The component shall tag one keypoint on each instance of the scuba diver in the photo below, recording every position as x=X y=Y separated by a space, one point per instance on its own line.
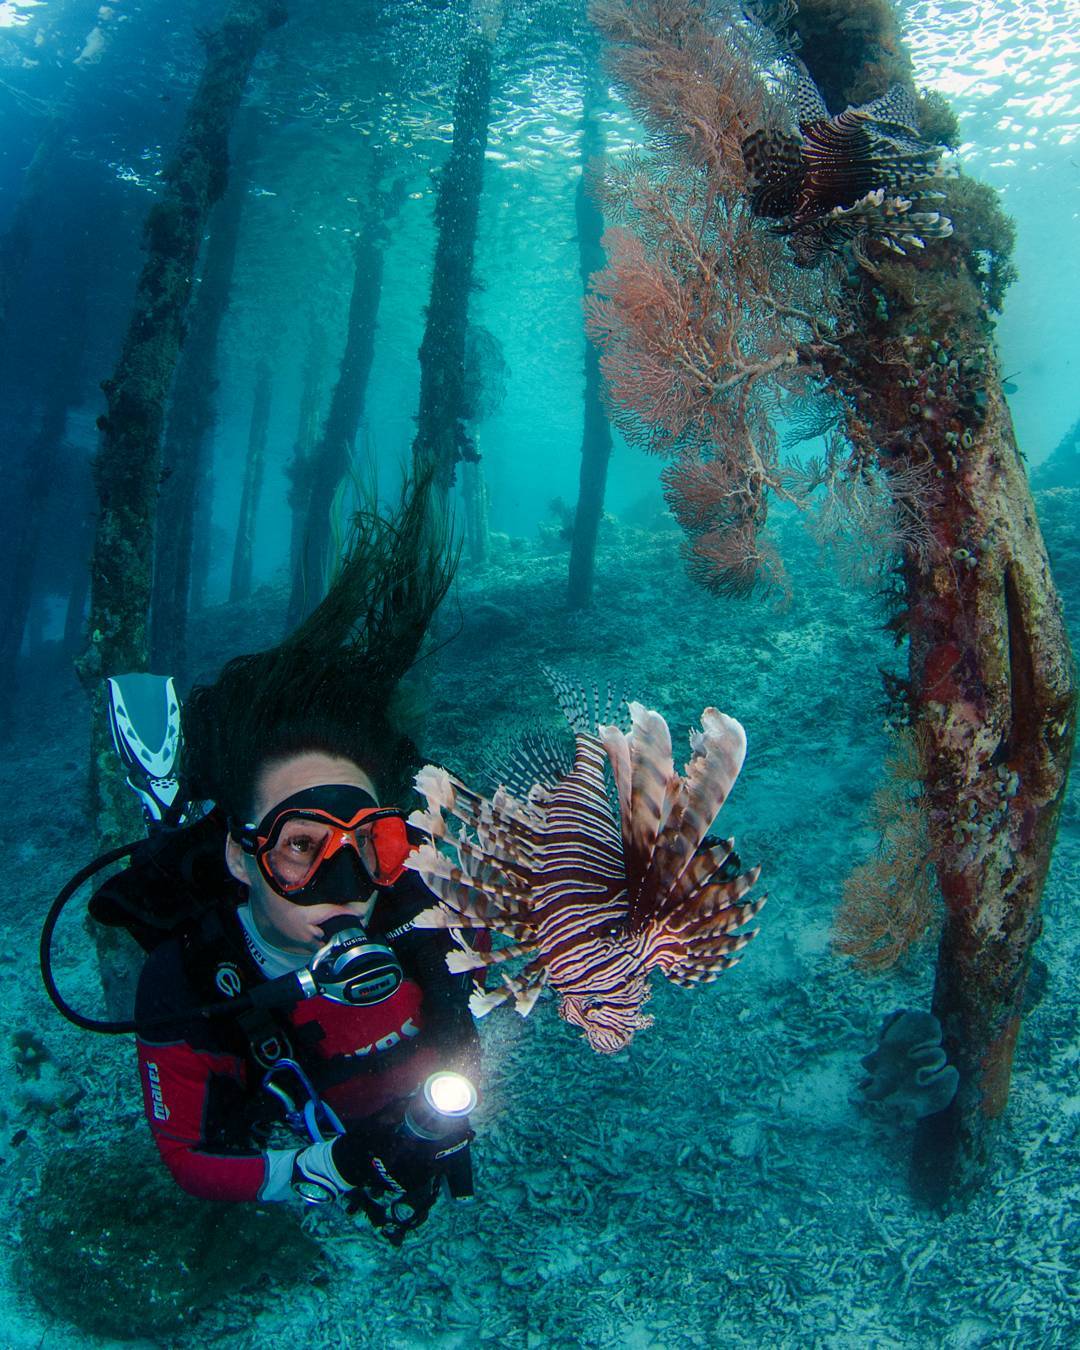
x=288 y=991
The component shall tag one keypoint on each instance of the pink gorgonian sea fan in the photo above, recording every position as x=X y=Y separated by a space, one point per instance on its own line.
x=594 y=888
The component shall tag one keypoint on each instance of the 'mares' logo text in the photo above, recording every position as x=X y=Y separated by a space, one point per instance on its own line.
x=161 y=1111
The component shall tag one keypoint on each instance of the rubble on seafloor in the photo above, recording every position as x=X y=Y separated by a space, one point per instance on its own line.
x=716 y=1183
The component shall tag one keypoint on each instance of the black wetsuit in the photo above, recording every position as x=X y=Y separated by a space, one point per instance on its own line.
x=202 y=1078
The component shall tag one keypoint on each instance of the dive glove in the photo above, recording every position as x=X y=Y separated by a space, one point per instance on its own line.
x=333 y=1168
x=392 y=1176
x=388 y=1173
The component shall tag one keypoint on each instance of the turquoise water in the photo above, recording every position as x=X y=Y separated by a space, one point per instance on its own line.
x=717 y=1183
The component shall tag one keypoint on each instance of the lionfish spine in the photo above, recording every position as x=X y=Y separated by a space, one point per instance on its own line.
x=617 y=748
x=696 y=930
x=714 y=896
x=699 y=870
x=439 y=868
x=468 y=958
x=652 y=768
x=717 y=754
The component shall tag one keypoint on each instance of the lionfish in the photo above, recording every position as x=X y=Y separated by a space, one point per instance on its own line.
x=841 y=178
x=595 y=892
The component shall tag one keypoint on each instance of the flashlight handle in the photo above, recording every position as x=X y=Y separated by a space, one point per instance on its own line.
x=458 y=1175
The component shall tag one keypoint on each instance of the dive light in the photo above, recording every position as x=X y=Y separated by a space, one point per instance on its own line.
x=440 y=1106
x=439 y=1115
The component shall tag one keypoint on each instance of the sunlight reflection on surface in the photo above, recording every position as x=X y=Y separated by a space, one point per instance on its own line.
x=971 y=52
x=12 y=12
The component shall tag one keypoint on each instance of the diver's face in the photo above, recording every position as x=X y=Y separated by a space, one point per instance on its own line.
x=295 y=928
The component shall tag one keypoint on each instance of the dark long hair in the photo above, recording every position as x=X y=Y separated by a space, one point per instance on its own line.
x=332 y=684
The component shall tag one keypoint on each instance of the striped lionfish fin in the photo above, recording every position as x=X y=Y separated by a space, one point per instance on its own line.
x=445 y=916
x=703 y=959
x=702 y=868
x=582 y=713
x=617 y=748
x=466 y=903
x=717 y=754
x=706 y=943
x=647 y=788
x=717 y=909
x=481 y=1002
x=437 y=788
x=689 y=973
x=652 y=783
x=537 y=759
x=524 y=991
x=526 y=988
x=445 y=794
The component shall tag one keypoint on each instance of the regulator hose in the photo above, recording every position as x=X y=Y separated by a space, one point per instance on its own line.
x=49 y=927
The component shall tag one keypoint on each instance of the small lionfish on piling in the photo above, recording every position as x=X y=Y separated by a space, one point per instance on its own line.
x=852 y=176
x=594 y=892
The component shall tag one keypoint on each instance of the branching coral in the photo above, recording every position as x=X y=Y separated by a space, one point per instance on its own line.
x=706 y=327
x=890 y=902
x=869 y=519
x=693 y=83
x=699 y=313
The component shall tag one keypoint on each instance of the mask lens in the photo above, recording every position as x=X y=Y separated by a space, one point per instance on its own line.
x=293 y=857
x=384 y=846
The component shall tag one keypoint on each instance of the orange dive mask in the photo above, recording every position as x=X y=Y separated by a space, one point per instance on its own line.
x=327 y=845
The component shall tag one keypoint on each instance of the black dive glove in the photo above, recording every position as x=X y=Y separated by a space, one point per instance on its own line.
x=390 y=1174
x=405 y=1179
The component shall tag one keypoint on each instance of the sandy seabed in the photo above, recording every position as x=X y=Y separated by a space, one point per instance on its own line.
x=716 y=1184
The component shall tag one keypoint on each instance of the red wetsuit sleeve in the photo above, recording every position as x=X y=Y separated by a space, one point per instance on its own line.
x=179 y=1084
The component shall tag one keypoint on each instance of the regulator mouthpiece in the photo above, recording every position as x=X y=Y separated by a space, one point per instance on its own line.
x=351 y=968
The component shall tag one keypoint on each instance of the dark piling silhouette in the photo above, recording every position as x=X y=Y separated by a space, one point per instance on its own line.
x=307 y=427
x=442 y=439
x=254 y=466
x=127 y=469
x=17 y=241
x=331 y=458
x=191 y=417
x=596 y=431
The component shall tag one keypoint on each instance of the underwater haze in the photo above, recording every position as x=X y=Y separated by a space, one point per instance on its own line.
x=738 y=1173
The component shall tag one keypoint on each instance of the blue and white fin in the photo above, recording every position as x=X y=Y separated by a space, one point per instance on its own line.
x=144 y=718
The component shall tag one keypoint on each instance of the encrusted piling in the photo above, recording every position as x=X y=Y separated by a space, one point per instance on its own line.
x=127 y=468
x=441 y=437
x=992 y=684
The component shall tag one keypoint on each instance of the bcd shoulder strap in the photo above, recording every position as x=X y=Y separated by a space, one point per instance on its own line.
x=219 y=967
